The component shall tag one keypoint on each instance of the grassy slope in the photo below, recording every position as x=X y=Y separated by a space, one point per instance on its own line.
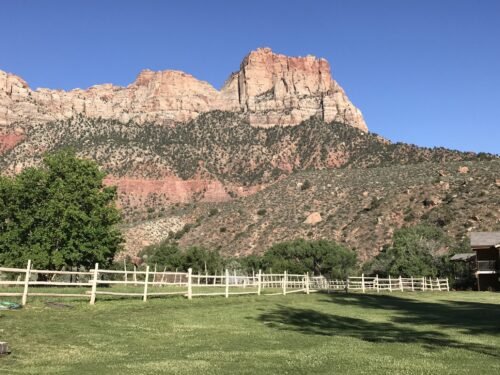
x=445 y=333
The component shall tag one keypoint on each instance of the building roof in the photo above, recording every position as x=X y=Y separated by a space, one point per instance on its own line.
x=484 y=239
x=463 y=257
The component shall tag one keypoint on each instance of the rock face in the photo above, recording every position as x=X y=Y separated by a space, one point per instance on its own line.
x=313 y=218
x=276 y=89
x=270 y=89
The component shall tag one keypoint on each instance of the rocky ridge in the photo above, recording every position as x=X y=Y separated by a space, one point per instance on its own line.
x=270 y=89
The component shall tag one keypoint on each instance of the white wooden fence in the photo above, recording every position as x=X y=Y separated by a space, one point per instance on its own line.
x=391 y=284
x=193 y=285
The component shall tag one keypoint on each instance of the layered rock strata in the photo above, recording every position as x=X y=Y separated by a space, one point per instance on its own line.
x=270 y=89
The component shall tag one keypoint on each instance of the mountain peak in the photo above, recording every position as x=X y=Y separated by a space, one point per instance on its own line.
x=270 y=89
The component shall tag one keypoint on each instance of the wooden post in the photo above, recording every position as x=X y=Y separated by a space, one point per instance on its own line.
x=235 y=279
x=135 y=275
x=432 y=286
x=447 y=285
x=190 y=285
x=26 y=283
x=390 y=284
x=363 y=282
x=94 y=284
x=307 y=282
x=163 y=276
x=199 y=277
x=125 y=276
x=423 y=284
x=376 y=280
x=438 y=283
x=259 y=281
x=400 y=283
x=146 y=281
x=227 y=283
x=284 y=283
x=412 y=285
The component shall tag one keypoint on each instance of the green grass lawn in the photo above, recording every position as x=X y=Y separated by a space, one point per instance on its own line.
x=402 y=333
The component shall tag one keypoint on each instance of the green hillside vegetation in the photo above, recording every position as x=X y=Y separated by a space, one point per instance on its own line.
x=359 y=208
x=230 y=149
x=363 y=186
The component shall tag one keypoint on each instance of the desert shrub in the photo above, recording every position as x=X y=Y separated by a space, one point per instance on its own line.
x=305 y=185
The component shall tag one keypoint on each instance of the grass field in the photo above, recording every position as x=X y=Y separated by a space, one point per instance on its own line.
x=402 y=333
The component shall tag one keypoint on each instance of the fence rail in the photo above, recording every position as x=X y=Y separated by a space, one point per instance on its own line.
x=194 y=285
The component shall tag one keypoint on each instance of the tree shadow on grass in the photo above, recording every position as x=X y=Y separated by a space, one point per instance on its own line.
x=313 y=322
x=468 y=317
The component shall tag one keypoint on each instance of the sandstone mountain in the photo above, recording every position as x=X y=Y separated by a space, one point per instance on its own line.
x=278 y=153
x=164 y=174
x=270 y=89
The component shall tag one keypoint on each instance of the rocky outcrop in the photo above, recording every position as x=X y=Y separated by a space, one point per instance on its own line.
x=270 y=89
x=275 y=89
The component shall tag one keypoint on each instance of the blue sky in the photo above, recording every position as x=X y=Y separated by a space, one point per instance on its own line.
x=424 y=72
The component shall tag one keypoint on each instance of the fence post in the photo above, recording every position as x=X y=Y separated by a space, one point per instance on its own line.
x=432 y=286
x=438 y=283
x=307 y=282
x=363 y=282
x=94 y=284
x=227 y=283
x=400 y=283
x=423 y=284
x=259 y=280
x=376 y=280
x=146 y=281
x=284 y=283
x=190 y=283
x=125 y=275
x=447 y=285
x=26 y=283
x=390 y=284
x=135 y=275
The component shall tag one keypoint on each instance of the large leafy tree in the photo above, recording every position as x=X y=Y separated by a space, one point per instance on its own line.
x=321 y=257
x=58 y=215
x=415 y=251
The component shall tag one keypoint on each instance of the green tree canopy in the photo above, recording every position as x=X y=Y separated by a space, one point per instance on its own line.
x=321 y=257
x=58 y=215
x=415 y=251
x=168 y=254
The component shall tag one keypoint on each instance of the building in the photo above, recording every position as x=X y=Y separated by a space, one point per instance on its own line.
x=464 y=271
x=486 y=245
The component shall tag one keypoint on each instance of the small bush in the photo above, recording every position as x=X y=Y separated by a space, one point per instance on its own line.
x=306 y=185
